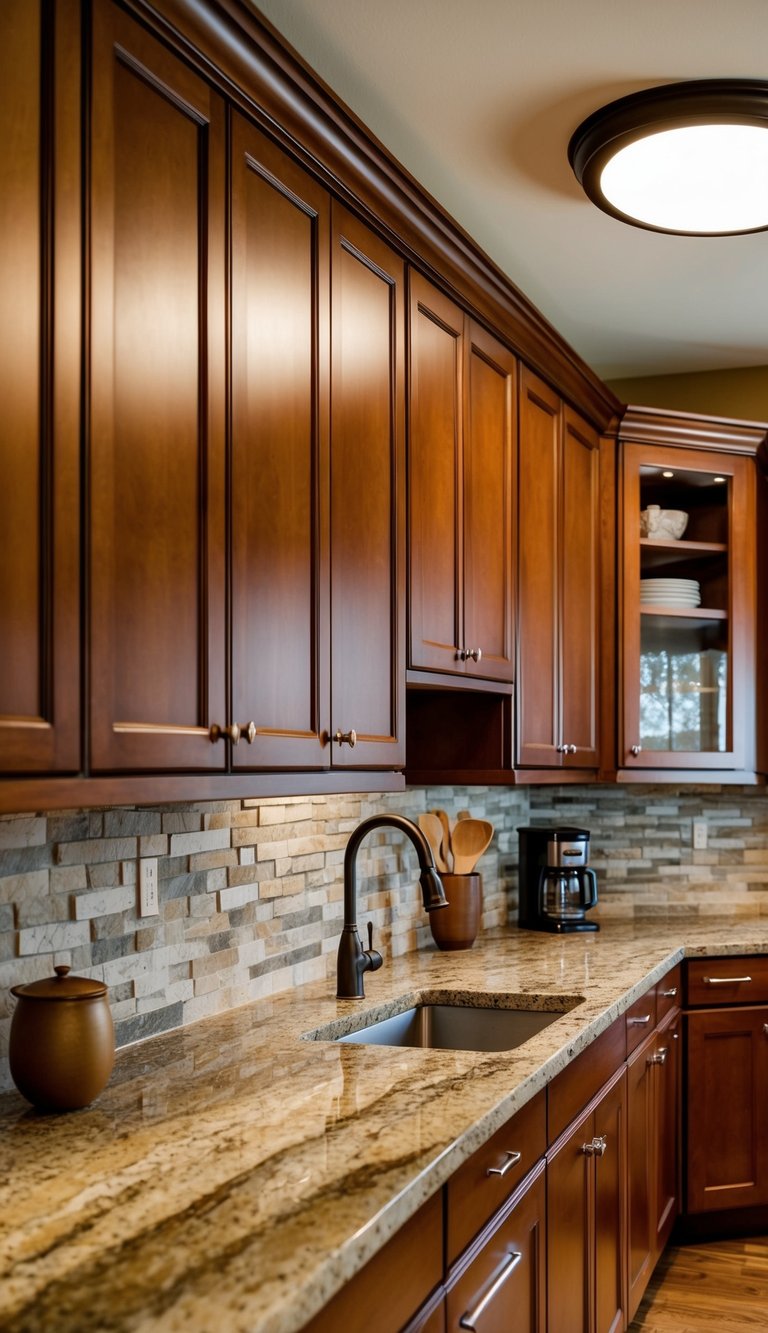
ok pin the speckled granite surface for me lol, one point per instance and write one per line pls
(233, 1175)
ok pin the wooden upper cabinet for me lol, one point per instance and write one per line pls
(538, 590)
(367, 500)
(689, 608)
(40, 282)
(463, 414)
(157, 336)
(558, 533)
(490, 422)
(579, 613)
(280, 250)
(436, 507)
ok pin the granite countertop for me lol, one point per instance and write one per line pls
(233, 1175)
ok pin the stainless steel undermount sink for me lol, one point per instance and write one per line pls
(447, 1026)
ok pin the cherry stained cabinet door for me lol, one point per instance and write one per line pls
(490, 420)
(157, 337)
(579, 581)
(435, 490)
(367, 503)
(586, 1199)
(280, 252)
(538, 674)
(463, 414)
(40, 278)
(727, 1093)
(559, 461)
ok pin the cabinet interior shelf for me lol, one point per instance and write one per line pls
(655, 555)
(683, 612)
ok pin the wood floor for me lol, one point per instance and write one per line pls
(719, 1285)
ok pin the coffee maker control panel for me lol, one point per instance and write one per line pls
(567, 855)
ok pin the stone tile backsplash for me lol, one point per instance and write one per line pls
(251, 891)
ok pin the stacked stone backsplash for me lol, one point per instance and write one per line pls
(251, 891)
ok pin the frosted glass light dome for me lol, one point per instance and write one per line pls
(690, 158)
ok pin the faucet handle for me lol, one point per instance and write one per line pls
(375, 959)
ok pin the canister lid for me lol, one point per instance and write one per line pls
(61, 987)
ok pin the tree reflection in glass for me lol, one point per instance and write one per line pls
(683, 699)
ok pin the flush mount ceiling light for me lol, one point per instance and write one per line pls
(689, 158)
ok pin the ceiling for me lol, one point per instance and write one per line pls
(479, 100)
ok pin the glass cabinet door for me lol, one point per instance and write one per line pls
(689, 608)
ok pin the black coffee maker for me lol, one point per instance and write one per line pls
(557, 885)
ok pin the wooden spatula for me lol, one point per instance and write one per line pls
(446, 826)
(433, 832)
(469, 840)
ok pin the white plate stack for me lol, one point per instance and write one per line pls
(674, 593)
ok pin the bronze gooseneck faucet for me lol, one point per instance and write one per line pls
(353, 960)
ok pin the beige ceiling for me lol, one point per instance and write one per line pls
(478, 99)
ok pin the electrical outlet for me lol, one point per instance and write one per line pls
(699, 835)
(148, 898)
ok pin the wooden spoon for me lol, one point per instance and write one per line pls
(463, 814)
(469, 840)
(433, 832)
(446, 844)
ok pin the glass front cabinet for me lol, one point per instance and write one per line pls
(689, 609)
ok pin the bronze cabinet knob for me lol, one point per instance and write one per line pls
(346, 738)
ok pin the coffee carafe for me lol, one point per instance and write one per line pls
(557, 886)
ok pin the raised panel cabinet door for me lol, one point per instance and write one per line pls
(579, 609)
(280, 255)
(538, 588)
(610, 1209)
(570, 1230)
(641, 1169)
(504, 1287)
(727, 1093)
(367, 502)
(40, 305)
(490, 415)
(667, 1069)
(157, 337)
(435, 479)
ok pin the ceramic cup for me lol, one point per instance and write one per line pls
(456, 926)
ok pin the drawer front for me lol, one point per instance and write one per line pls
(669, 992)
(713, 981)
(640, 1019)
(570, 1091)
(493, 1173)
(503, 1288)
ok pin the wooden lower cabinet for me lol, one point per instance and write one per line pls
(727, 1093)
(500, 1287)
(653, 1080)
(396, 1285)
(586, 1194)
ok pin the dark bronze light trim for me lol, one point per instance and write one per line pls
(669, 106)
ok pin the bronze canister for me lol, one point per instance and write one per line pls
(62, 1042)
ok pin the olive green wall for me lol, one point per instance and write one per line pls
(742, 392)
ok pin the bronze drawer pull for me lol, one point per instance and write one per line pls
(469, 1320)
(638, 1022)
(512, 1160)
(726, 981)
